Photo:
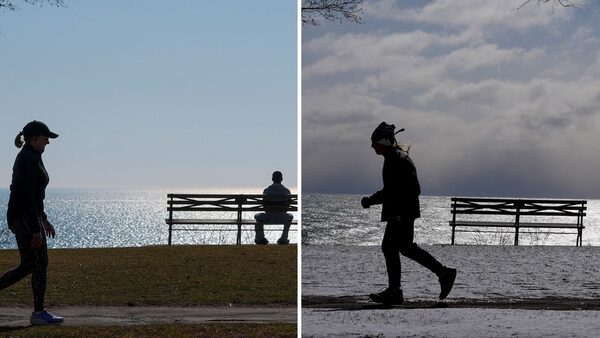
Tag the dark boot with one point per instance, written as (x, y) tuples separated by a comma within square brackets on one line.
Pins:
[(389, 296), (262, 241), (447, 281)]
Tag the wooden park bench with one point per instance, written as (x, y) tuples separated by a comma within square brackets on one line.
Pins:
[(556, 216), (219, 212)]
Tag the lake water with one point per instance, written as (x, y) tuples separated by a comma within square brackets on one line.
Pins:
[(339, 219), (85, 219)]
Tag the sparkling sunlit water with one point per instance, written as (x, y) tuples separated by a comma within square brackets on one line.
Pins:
[(339, 219), (85, 219)]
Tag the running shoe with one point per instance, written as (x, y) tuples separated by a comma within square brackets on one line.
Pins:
[(44, 318)]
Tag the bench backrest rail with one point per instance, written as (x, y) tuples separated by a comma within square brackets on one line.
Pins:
[(519, 208), (238, 203), (230, 202)]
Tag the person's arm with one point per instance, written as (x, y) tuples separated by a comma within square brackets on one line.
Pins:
[(376, 198), (28, 170)]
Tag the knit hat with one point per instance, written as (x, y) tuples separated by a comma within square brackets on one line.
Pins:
[(384, 134)]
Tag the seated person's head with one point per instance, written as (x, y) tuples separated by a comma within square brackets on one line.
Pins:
[(277, 177)]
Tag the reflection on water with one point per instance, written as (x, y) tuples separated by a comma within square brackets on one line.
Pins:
[(339, 219), (87, 219)]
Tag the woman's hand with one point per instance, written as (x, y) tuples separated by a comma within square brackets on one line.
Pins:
[(365, 202), (49, 229)]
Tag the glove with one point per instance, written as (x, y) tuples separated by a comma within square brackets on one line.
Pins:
[(365, 202)]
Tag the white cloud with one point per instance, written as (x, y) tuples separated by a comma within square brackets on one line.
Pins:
[(364, 52), (484, 107), (470, 13)]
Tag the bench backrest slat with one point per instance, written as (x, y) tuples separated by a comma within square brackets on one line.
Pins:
[(224, 202), (523, 207)]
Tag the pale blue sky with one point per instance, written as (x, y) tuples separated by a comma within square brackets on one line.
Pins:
[(154, 94)]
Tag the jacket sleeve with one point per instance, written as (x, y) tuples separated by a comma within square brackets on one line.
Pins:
[(378, 197), (29, 180)]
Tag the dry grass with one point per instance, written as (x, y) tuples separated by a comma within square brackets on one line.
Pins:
[(161, 275)]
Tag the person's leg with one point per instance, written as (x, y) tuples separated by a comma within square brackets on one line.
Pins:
[(411, 250), (390, 248), (39, 275), (284, 234), (286, 229), (259, 238), (259, 229), (40, 316), (25, 266)]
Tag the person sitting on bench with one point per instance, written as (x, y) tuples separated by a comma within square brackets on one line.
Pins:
[(276, 194)]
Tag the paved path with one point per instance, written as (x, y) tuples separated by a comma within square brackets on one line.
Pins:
[(139, 315), (362, 302)]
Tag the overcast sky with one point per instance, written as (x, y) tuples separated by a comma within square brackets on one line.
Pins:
[(154, 94), (495, 102)]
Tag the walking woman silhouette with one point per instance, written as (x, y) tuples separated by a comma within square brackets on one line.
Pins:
[(27, 219)]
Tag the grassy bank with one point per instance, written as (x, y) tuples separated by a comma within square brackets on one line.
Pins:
[(160, 275)]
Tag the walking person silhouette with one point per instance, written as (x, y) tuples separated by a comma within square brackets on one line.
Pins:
[(27, 219), (400, 207)]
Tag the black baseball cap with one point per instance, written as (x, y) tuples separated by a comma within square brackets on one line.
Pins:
[(37, 128)]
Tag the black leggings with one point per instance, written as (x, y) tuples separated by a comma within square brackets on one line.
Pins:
[(398, 239), (33, 261)]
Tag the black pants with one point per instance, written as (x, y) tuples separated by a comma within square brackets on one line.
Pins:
[(33, 261), (398, 239)]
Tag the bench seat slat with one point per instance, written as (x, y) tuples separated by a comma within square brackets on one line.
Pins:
[(512, 224), (527, 200), (569, 213), (551, 225), (218, 221), (231, 209)]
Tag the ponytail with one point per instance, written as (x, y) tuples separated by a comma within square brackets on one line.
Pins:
[(19, 140), (405, 148)]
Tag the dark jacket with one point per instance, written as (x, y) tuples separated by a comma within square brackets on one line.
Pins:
[(28, 189), (401, 189)]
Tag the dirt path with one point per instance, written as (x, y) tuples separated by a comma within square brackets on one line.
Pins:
[(139, 315)]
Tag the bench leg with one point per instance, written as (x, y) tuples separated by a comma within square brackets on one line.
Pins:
[(238, 240), (170, 233), (452, 242)]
